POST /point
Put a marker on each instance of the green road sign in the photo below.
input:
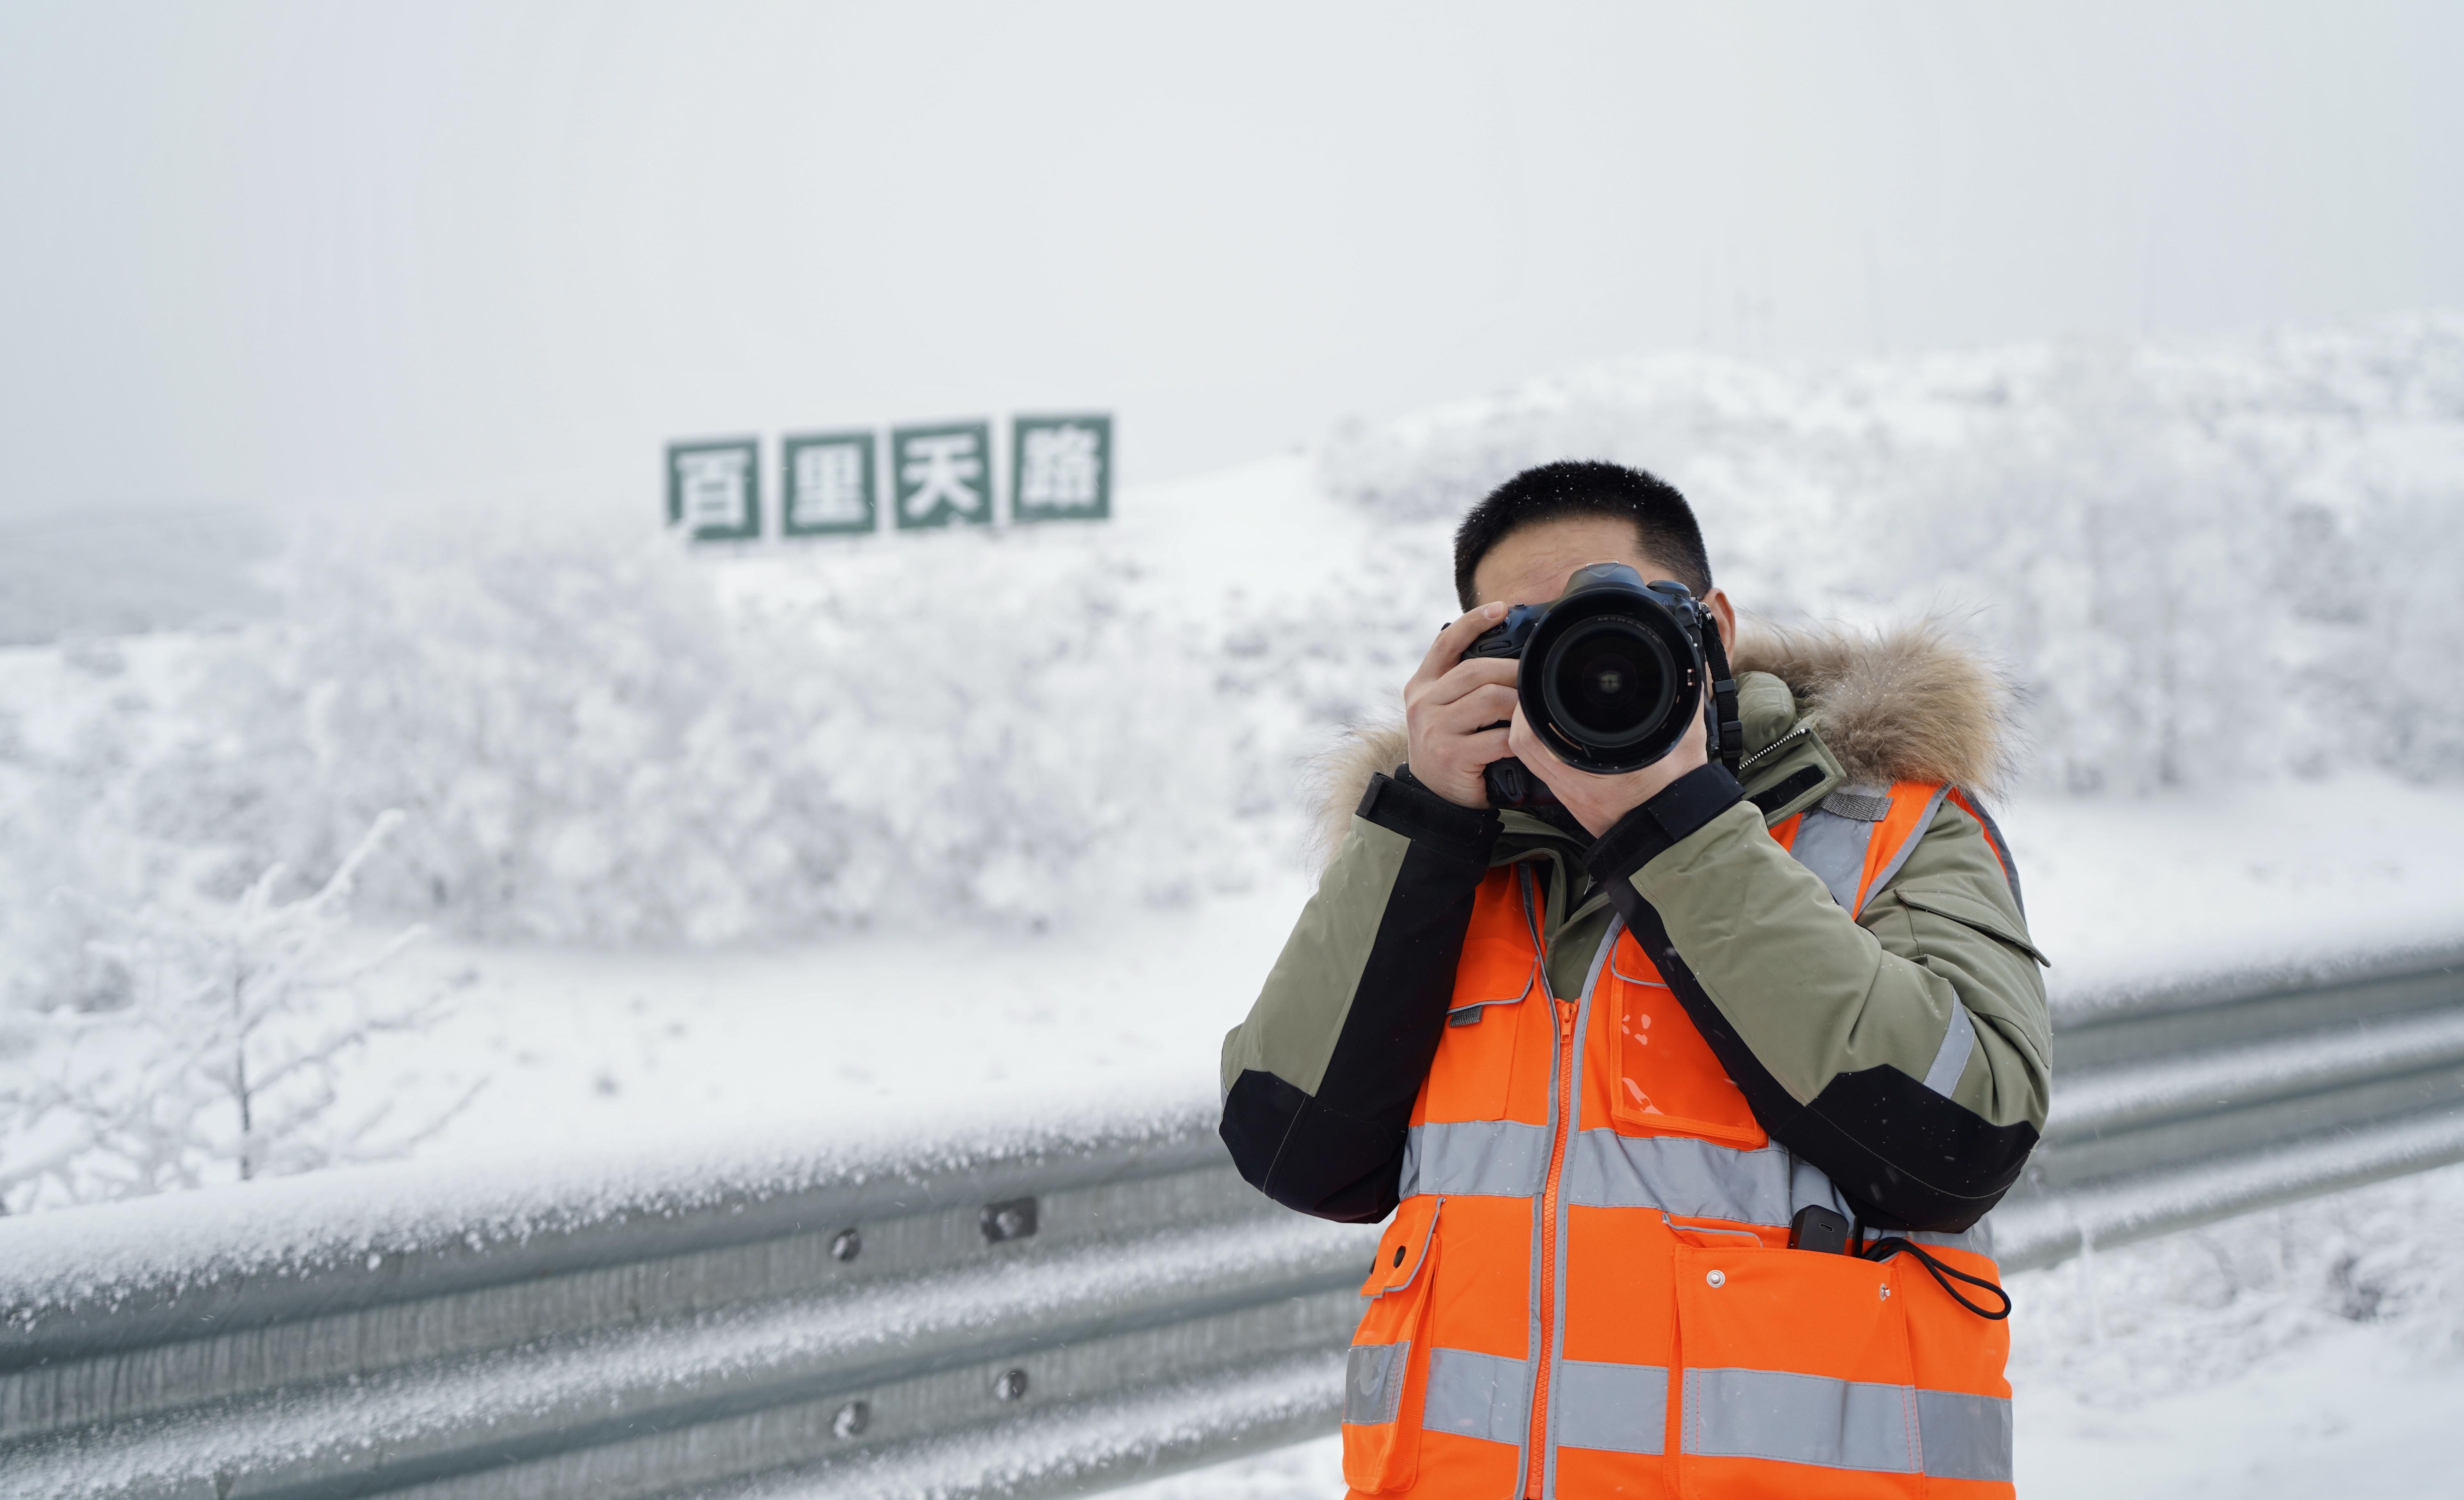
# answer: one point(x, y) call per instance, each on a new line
point(944, 475)
point(1060, 468)
point(826, 485)
point(715, 489)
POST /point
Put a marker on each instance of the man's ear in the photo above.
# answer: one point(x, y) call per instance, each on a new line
point(1726, 613)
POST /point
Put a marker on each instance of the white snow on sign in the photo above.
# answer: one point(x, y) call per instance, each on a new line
point(712, 489)
point(947, 470)
point(1060, 466)
point(829, 485)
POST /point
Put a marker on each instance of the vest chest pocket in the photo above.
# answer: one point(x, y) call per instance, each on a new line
point(1472, 1075)
point(1664, 1079)
point(1387, 1371)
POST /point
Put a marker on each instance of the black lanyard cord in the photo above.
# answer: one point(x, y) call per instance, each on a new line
point(1884, 1250)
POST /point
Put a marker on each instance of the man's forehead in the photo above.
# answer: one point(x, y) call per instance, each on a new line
point(1539, 556)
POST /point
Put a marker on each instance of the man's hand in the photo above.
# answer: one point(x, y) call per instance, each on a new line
point(1599, 802)
point(1449, 706)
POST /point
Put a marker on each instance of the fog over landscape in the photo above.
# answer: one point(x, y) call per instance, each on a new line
point(335, 257)
point(340, 638)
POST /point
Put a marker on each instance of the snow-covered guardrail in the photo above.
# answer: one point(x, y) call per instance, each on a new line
point(1020, 1313)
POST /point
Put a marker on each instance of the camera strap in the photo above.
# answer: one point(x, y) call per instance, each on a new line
point(1727, 731)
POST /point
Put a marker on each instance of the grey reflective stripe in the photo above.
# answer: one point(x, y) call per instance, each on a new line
point(1957, 1042)
point(1534, 1335)
point(1621, 1407)
point(1870, 806)
point(1535, 1331)
point(1531, 924)
point(1801, 1419)
point(1478, 1396)
point(1554, 1350)
point(1908, 846)
point(2002, 848)
point(1833, 848)
point(1689, 1178)
point(1678, 1175)
point(1497, 1158)
point(1600, 958)
point(1966, 1437)
point(1634, 979)
point(1809, 1419)
point(1373, 1381)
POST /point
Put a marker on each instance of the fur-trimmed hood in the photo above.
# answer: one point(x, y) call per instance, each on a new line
point(1906, 704)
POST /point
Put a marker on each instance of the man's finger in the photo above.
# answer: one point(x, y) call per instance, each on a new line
point(1492, 703)
point(1449, 647)
point(1469, 677)
point(1489, 744)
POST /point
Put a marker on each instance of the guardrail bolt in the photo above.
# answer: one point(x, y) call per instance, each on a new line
point(1014, 1219)
point(1009, 1385)
point(851, 1419)
point(847, 1245)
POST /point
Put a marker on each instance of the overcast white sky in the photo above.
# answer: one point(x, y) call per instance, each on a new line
point(342, 253)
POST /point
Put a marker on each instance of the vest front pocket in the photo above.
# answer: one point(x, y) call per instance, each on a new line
point(1664, 1079)
point(1386, 1374)
point(1796, 1358)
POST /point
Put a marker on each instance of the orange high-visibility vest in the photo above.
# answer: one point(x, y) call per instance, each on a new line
point(1586, 1289)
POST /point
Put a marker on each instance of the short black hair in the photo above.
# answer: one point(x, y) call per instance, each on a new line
point(1662, 521)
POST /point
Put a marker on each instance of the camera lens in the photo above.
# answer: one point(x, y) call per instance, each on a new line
point(1607, 682)
point(1611, 681)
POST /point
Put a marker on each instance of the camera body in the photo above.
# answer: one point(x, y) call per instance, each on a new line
point(1613, 674)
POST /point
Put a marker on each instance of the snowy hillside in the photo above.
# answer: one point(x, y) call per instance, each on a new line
point(2205, 567)
point(2222, 574)
point(2204, 562)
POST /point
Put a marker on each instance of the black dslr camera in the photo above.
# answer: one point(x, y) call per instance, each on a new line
point(1613, 674)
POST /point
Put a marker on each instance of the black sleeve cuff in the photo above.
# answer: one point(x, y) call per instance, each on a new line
point(1682, 807)
point(1422, 816)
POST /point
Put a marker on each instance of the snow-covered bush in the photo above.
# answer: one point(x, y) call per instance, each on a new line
point(612, 741)
point(2205, 564)
point(220, 1058)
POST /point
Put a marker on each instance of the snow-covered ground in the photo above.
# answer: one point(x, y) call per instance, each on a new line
point(580, 1045)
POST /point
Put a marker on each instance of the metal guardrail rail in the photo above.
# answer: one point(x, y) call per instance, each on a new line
point(1036, 1316)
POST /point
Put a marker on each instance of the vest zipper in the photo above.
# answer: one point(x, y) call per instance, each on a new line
point(1537, 1466)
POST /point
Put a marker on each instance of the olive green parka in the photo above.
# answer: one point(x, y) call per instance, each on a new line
point(1832, 1022)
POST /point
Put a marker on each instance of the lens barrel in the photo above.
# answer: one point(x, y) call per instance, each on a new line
point(1612, 676)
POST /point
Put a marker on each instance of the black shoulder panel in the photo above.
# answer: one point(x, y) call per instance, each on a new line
point(1339, 1153)
point(1307, 1156)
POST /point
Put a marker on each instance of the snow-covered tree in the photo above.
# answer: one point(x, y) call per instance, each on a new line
point(224, 1058)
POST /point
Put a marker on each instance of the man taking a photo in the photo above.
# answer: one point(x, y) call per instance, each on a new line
point(1685, 1086)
